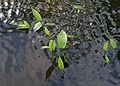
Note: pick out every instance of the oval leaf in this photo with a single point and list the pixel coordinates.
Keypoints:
(113, 44)
(47, 32)
(60, 64)
(36, 14)
(105, 46)
(52, 45)
(44, 47)
(106, 59)
(62, 39)
(37, 26)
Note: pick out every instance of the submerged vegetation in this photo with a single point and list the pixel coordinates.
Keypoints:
(57, 44)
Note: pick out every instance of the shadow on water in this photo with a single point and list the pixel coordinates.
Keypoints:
(23, 63)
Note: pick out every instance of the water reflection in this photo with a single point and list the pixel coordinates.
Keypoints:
(23, 63)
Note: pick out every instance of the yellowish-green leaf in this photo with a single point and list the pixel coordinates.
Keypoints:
(37, 26)
(47, 32)
(26, 23)
(107, 59)
(62, 39)
(45, 47)
(52, 45)
(77, 7)
(70, 36)
(36, 15)
(78, 10)
(22, 26)
(113, 44)
(105, 46)
(60, 64)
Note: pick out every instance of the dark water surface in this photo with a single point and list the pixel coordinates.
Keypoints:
(23, 63)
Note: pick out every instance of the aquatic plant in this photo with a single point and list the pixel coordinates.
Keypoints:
(78, 8)
(60, 59)
(106, 47)
(25, 25)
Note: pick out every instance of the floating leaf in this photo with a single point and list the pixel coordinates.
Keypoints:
(106, 59)
(37, 26)
(77, 7)
(60, 64)
(49, 71)
(26, 23)
(22, 26)
(36, 15)
(113, 44)
(45, 47)
(70, 36)
(62, 39)
(47, 32)
(105, 46)
(52, 45)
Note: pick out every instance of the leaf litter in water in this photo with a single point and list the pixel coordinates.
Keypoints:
(49, 71)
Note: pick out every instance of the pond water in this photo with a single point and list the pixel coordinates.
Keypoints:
(24, 63)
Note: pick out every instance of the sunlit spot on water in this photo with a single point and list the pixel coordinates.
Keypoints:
(6, 3)
(9, 13)
(17, 12)
(1, 15)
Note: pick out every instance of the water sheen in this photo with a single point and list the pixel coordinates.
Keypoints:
(23, 63)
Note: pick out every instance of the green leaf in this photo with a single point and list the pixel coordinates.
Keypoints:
(106, 59)
(45, 47)
(60, 64)
(52, 45)
(37, 26)
(78, 10)
(47, 32)
(26, 23)
(22, 26)
(113, 44)
(77, 7)
(105, 46)
(62, 39)
(36, 15)
(70, 36)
